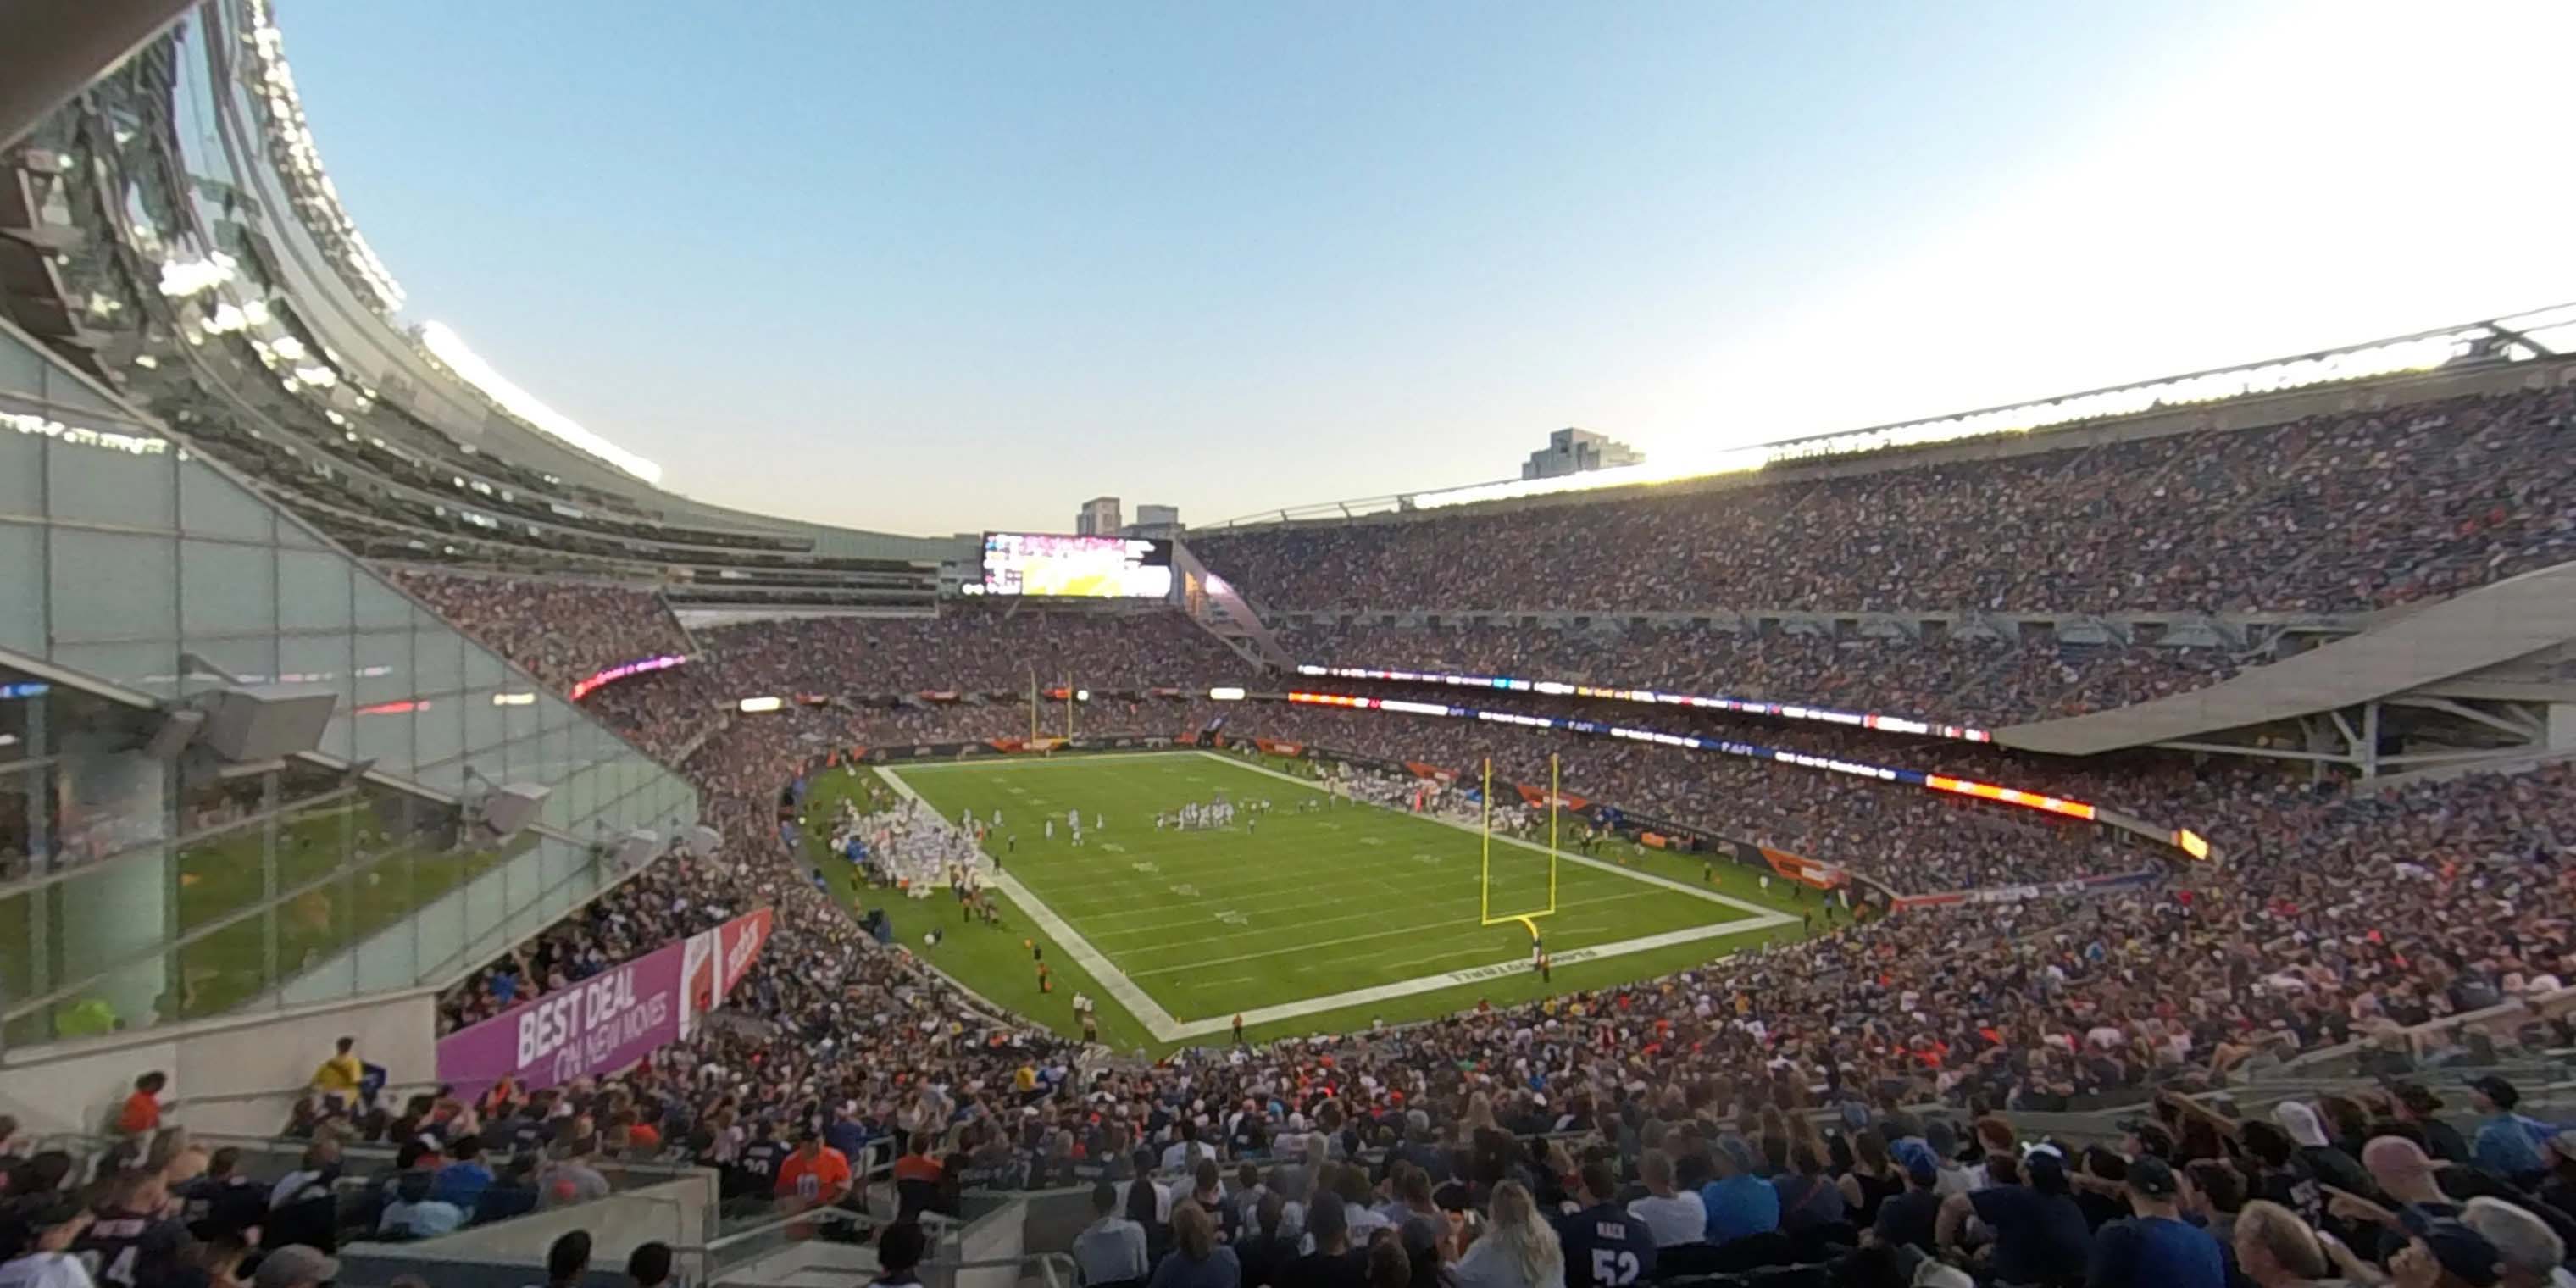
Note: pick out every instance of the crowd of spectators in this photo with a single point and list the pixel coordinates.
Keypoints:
(2335, 513)
(1902, 837)
(667, 712)
(562, 632)
(1978, 681)
(2337, 918)
(978, 649)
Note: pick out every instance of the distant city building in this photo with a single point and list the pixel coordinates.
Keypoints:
(1098, 518)
(1578, 451)
(1158, 521)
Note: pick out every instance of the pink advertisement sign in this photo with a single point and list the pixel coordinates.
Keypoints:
(606, 1022)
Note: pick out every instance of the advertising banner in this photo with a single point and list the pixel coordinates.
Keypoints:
(716, 961)
(1801, 869)
(609, 1021)
(599, 1025)
(1536, 798)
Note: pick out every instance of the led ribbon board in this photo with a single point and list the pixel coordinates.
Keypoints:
(2190, 843)
(1742, 706)
(625, 669)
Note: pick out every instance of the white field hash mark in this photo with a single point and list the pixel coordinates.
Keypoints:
(1166, 1028)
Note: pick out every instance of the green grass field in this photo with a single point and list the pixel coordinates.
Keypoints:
(1285, 922)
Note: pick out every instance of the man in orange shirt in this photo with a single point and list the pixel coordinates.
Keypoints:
(917, 1178)
(918, 1165)
(816, 1175)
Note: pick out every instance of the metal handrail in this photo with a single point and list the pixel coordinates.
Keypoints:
(716, 1247)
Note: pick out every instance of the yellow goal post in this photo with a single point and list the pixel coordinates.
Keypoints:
(1485, 914)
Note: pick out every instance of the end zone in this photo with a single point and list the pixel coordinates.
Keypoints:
(1165, 1027)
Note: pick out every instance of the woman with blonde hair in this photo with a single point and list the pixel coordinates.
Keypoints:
(1515, 1249)
(1196, 1260)
(1480, 1113)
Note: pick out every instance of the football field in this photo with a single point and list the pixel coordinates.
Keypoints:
(1307, 916)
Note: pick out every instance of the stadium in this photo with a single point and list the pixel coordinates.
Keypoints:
(2117, 776)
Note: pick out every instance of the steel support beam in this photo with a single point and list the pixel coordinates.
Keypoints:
(2447, 706)
(52, 49)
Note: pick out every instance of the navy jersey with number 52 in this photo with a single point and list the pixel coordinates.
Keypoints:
(1605, 1248)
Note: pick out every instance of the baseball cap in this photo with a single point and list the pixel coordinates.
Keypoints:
(2497, 1090)
(2152, 1177)
(2464, 1253)
(2301, 1122)
(294, 1264)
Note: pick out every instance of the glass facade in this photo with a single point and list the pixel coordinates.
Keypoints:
(134, 575)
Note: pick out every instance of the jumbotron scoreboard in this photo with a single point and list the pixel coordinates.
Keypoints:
(1048, 564)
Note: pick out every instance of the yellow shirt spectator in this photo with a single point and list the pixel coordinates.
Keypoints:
(339, 1075)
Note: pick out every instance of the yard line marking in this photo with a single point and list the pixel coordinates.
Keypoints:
(1081, 908)
(1311, 922)
(1165, 1028)
(1275, 952)
(1533, 847)
(1346, 867)
(1050, 762)
(1125, 991)
(1452, 979)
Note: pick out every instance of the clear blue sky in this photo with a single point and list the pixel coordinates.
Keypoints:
(933, 268)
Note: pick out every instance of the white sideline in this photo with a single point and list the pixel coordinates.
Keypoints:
(1156, 1020)
(1166, 1028)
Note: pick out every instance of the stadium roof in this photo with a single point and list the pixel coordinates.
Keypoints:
(2521, 337)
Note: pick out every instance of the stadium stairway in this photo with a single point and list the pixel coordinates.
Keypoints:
(2407, 652)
